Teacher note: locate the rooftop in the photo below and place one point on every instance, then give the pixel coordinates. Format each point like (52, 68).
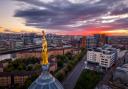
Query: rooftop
(46, 81)
(106, 49)
(123, 68)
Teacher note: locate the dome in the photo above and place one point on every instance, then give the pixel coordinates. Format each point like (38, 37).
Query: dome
(46, 81)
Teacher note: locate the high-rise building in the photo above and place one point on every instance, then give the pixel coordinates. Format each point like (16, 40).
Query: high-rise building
(101, 39)
(90, 42)
(83, 42)
(97, 37)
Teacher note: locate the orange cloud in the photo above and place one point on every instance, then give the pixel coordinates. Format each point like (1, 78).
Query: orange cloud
(90, 31)
(20, 30)
(123, 32)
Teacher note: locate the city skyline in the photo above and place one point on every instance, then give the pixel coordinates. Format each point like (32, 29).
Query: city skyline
(72, 17)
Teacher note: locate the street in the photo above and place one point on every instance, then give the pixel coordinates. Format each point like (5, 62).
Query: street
(70, 81)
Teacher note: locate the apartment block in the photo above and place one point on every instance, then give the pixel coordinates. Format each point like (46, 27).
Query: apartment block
(105, 56)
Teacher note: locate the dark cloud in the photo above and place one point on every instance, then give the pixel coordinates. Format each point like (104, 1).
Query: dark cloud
(63, 14)
(120, 11)
(122, 23)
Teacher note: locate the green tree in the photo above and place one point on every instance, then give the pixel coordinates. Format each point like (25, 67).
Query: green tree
(29, 67)
(59, 76)
(22, 64)
(21, 67)
(88, 80)
(60, 64)
(29, 80)
(69, 55)
(37, 66)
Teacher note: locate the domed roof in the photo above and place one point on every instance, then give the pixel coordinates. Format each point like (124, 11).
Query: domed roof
(46, 81)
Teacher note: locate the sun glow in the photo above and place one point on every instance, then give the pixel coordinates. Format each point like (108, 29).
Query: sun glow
(117, 32)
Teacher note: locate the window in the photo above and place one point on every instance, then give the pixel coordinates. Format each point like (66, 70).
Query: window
(106, 59)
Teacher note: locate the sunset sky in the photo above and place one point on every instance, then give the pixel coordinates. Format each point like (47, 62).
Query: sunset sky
(73, 17)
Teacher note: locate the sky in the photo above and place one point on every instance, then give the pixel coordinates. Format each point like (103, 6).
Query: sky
(73, 17)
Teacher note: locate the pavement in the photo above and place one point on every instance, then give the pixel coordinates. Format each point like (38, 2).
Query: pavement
(70, 81)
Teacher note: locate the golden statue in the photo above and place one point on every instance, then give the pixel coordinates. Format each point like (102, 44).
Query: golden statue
(44, 60)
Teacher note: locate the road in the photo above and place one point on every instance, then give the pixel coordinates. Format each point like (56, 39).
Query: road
(70, 81)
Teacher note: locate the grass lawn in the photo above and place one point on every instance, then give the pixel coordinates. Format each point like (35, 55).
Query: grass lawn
(88, 79)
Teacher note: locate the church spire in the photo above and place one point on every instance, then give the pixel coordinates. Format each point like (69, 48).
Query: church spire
(44, 55)
(45, 80)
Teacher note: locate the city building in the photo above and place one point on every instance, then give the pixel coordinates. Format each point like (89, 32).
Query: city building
(83, 42)
(97, 37)
(5, 56)
(28, 38)
(104, 56)
(9, 79)
(1, 67)
(93, 55)
(101, 39)
(5, 81)
(107, 58)
(37, 53)
(90, 42)
(119, 42)
(12, 41)
(121, 73)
